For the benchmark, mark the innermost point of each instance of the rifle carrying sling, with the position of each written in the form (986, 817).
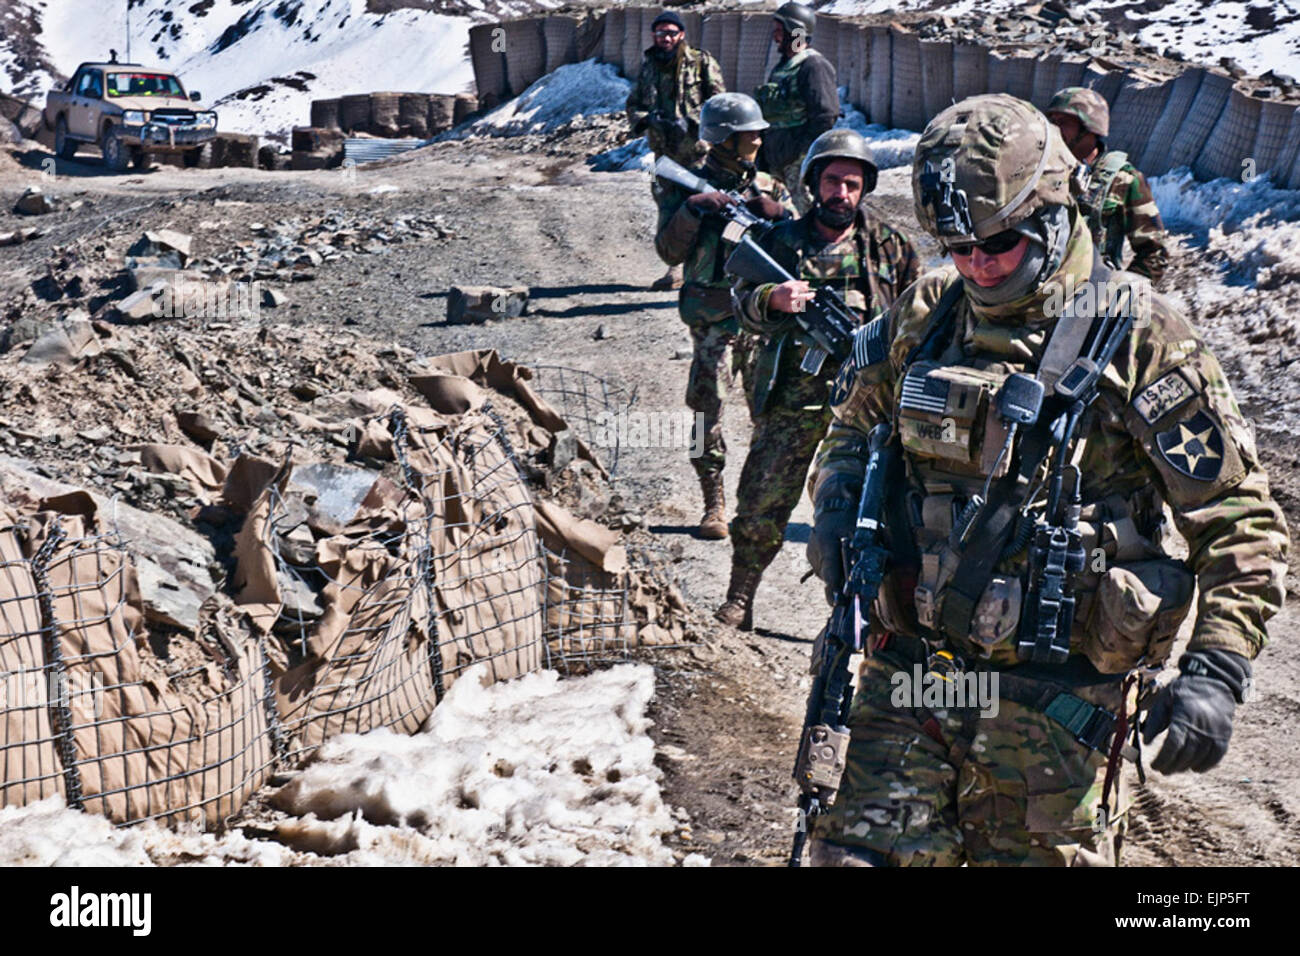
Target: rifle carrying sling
(996, 521)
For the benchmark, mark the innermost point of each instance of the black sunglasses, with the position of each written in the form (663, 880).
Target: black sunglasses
(667, 33)
(992, 246)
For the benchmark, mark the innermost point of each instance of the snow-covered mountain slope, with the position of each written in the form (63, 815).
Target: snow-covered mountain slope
(259, 61)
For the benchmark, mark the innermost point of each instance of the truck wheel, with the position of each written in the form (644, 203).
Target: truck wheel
(139, 159)
(116, 155)
(196, 158)
(65, 147)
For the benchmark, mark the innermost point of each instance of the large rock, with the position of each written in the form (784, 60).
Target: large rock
(159, 242)
(65, 343)
(33, 202)
(467, 304)
(173, 561)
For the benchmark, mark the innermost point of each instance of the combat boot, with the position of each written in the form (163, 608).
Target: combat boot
(714, 523)
(738, 609)
(672, 279)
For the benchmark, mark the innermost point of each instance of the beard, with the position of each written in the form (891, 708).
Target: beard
(838, 216)
(662, 55)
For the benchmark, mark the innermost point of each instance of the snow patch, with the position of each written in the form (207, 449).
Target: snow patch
(1254, 225)
(571, 91)
(536, 771)
(890, 147)
(630, 156)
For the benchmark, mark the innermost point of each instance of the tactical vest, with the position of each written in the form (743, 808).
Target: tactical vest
(1130, 596)
(779, 97)
(827, 267)
(1099, 210)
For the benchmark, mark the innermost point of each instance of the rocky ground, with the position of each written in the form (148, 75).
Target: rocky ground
(529, 212)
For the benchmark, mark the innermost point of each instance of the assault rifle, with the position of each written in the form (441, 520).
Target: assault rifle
(679, 175)
(826, 319)
(824, 742)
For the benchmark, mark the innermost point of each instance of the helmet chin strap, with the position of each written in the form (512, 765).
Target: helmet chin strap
(1048, 231)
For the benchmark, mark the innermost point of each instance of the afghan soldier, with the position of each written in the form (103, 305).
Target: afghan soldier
(969, 587)
(800, 99)
(690, 232)
(1117, 200)
(840, 244)
(674, 82)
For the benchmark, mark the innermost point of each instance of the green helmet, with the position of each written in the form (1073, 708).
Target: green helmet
(839, 143)
(1087, 106)
(729, 113)
(796, 17)
(986, 165)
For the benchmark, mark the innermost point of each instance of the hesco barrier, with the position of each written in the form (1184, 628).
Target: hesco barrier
(355, 601)
(1199, 118)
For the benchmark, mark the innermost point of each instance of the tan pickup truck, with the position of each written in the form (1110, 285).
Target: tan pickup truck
(128, 111)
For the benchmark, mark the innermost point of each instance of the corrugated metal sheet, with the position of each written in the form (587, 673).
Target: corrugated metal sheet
(364, 150)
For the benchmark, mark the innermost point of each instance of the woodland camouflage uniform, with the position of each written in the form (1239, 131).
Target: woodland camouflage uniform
(869, 270)
(674, 89)
(928, 787)
(1117, 200)
(721, 348)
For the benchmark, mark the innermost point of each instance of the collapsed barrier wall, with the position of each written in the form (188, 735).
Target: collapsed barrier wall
(1198, 118)
(357, 601)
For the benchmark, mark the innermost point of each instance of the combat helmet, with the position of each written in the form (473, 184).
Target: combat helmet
(728, 113)
(838, 143)
(990, 164)
(1087, 106)
(796, 17)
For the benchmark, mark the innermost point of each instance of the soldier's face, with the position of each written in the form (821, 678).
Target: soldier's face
(667, 37)
(747, 144)
(840, 186)
(987, 270)
(1081, 142)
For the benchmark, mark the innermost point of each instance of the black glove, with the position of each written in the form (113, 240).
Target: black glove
(765, 206)
(1197, 708)
(834, 514)
(708, 202)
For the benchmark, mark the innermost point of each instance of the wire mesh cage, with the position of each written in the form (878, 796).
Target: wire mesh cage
(590, 404)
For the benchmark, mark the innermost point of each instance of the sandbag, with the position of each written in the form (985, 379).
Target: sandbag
(325, 113)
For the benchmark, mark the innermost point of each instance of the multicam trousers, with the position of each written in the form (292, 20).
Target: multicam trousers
(1024, 793)
(785, 439)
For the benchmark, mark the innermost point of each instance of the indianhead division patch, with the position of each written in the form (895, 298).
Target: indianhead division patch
(843, 383)
(1193, 448)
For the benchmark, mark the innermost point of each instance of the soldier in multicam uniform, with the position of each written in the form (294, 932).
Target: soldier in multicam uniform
(800, 99)
(842, 244)
(942, 787)
(690, 232)
(1117, 200)
(665, 101)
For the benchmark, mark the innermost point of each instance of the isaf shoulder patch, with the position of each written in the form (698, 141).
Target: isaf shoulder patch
(1163, 396)
(1193, 447)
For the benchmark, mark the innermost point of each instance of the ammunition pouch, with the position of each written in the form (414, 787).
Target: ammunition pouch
(947, 413)
(1136, 614)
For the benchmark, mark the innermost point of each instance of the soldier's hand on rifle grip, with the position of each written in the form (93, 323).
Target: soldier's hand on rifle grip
(1197, 708)
(834, 517)
(791, 296)
(709, 202)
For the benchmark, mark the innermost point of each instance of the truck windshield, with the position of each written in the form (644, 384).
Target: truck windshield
(144, 84)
